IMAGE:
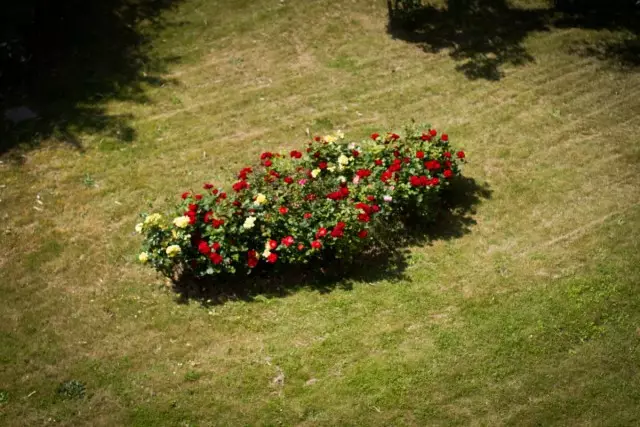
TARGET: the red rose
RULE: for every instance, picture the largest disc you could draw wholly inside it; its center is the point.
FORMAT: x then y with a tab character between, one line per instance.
375	208
208	216
448	173
407	160
274	173
244	172
193	207
215	258
444	137
185	194
272	258
307	215
268	163
198	196
222	195
395	167
433	132
216	246
447	163
386	176
432	165
378	162
321	232
252	261
426	137
447	154
310	197
217	222
363	173
266	155
460	154
214	191
371	198
420	154
363	233
283	210
365	207
322	165
300	246
236	203
355	153
364	217
203	248
207	186
316	154
287	241
240	185
317	138
435	181
316	244
396	153
395	136
344	191
415	181
337	233
288	180
375	136
295	154
192	217
273	244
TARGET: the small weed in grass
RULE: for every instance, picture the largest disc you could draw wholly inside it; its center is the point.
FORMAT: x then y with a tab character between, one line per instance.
88	181
4	397
192	376
72	389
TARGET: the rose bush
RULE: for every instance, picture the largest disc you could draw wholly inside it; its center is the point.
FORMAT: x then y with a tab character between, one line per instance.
331	198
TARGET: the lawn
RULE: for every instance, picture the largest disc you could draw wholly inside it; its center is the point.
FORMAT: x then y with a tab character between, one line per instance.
523	311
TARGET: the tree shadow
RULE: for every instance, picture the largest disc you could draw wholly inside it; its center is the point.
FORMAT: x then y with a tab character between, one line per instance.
484	35
387	259
65	60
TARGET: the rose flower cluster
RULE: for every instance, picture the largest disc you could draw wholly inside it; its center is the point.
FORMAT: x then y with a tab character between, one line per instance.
289	208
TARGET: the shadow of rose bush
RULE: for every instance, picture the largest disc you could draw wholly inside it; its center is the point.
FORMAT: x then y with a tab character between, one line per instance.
331	200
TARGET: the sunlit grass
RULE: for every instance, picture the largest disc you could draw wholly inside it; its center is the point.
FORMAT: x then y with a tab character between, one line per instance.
529	319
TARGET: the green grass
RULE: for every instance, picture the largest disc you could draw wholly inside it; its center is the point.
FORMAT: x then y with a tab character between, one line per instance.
530	318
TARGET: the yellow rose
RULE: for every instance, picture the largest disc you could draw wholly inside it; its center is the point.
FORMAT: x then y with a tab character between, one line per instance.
343	160
153	219
330	139
266	253
315	172
340	134
143	257
249	222
139	227
260	199
173	250
181	221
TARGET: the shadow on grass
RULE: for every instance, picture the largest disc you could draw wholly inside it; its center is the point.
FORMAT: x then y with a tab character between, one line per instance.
65	60
388	259
484	35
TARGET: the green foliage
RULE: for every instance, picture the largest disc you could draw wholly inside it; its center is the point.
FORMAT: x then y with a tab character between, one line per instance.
330	201
72	389
88	181
192	376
